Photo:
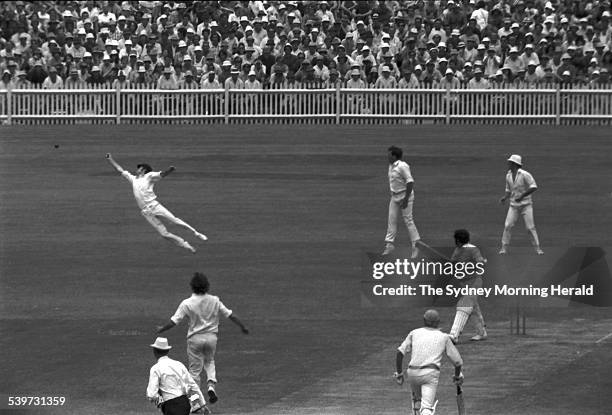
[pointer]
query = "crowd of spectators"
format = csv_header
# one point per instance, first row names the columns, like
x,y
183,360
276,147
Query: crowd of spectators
x,y
262,44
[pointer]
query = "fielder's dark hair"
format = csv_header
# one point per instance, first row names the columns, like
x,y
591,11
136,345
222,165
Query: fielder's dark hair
x,y
396,152
199,283
462,236
147,168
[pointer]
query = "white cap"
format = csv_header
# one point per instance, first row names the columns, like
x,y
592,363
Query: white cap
x,y
386,69
513,49
182,44
516,159
449,71
161,343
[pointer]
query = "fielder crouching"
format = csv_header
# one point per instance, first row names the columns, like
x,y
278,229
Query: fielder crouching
x,y
426,346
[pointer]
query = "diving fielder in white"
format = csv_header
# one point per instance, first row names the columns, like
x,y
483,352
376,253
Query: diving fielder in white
x,y
401,185
426,346
150,208
519,187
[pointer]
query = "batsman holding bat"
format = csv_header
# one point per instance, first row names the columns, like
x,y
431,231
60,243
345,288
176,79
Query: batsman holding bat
x,y
468,304
426,346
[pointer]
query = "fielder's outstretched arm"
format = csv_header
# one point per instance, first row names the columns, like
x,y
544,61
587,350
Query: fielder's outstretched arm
x,y
167,326
167,171
113,163
236,321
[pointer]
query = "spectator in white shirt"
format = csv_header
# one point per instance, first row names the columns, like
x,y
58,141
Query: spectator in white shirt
x,y
210,81
53,81
478,81
481,15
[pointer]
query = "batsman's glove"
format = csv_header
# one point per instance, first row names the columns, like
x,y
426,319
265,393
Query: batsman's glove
x,y
458,380
399,378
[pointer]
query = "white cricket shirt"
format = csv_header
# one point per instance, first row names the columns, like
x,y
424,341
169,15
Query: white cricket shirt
x,y
523,181
203,312
171,379
427,346
399,176
143,187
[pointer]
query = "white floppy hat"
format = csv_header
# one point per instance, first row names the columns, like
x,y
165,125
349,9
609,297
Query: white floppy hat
x,y
161,343
516,159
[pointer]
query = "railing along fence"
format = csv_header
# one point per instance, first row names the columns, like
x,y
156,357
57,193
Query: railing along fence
x,y
308,104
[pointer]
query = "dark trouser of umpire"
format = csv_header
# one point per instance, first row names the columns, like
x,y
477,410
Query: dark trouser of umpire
x,y
176,406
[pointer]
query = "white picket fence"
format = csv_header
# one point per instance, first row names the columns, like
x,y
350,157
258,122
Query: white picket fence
x,y
307,106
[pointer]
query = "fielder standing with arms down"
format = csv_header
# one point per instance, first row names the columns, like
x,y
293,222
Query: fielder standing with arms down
x,y
202,310
401,185
426,345
519,187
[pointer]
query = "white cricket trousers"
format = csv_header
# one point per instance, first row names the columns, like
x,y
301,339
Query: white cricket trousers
x,y
424,385
201,350
394,212
526,211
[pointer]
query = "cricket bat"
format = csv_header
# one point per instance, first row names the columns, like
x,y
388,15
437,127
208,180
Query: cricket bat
x,y
460,403
422,245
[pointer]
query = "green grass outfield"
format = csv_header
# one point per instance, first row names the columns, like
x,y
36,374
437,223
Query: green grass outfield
x,y
289,213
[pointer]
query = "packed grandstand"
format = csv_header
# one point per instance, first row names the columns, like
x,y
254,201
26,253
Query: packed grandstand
x,y
263,44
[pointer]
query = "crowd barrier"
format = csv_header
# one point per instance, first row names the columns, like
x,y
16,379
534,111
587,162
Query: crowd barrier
x,y
553,106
